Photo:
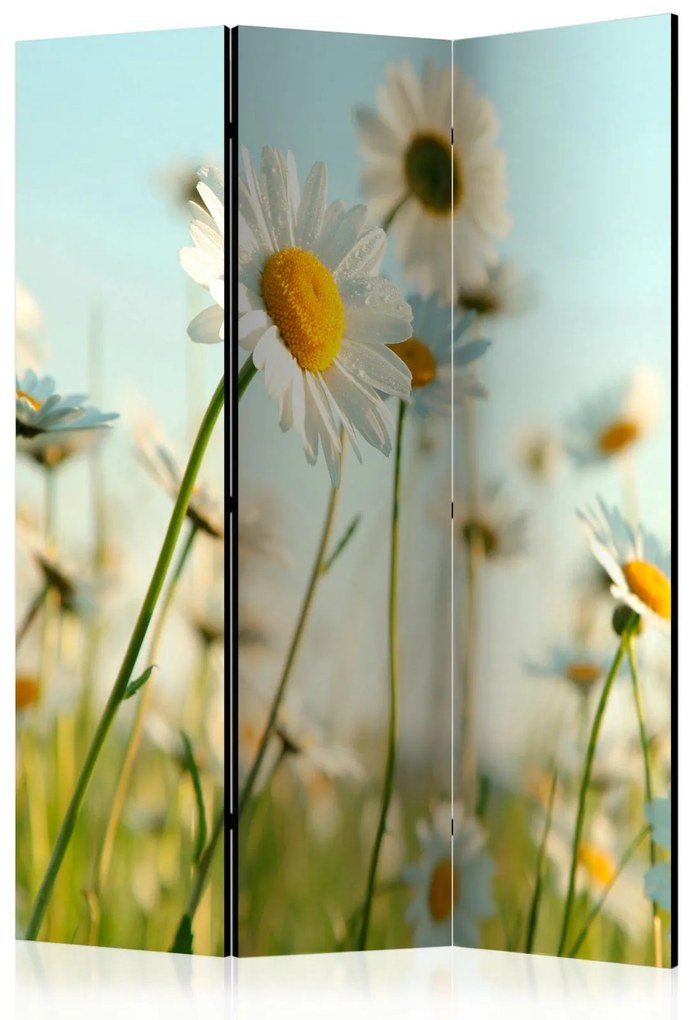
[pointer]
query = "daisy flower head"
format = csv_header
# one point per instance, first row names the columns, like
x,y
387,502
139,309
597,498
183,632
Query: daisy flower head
x,y
436,376
429,191
51,449
313,310
580,666
610,423
539,452
203,510
636,564
39,409
659,878
204,259
451,884
491,523
504,292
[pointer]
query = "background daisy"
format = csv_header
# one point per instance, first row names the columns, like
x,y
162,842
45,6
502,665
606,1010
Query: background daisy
x,y
204,259
39,409
612,422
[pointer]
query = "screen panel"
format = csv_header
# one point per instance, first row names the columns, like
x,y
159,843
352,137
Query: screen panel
x,y
343,793
564,478
121,758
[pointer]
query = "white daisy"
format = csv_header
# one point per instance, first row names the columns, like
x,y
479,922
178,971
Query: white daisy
x,y
203,510
39,409
450,887
634,560
539,452
598,857
490,520
204,260
314,311
504,292
51,449
434,194
574,663
427,354
659,877
610,423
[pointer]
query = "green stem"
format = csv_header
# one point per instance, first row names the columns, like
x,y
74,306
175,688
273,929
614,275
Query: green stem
x,y
248,370
393,650
133,743
388,221
623,861
585,782
645,751
30,616
138,635
202,874
537,891
316,573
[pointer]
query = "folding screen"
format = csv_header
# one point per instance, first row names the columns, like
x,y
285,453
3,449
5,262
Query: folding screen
x,y
121,756
444,636
480,757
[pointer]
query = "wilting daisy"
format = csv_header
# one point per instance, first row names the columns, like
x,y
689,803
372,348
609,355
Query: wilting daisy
x,y
449,887
598,858
430,192
614,420
498,528
203,510
435,377
578,665
634,560
659,877
204,259
39,409
313,310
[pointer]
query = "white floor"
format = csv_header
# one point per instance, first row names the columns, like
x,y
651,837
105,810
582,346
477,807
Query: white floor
x,y
59,982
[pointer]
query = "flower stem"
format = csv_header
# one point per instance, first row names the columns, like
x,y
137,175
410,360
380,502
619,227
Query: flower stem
x,y
539,867
137,637
133,743
393,650
585,781
388,220
623,861
316,573
248,370
30,616
648,782
202,874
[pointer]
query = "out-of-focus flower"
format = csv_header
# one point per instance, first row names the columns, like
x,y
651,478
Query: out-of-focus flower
x,y
440,369
539,452
203,511
490,521
426,189
27,692
451,883
39,409
634,560
577,664
614,420
659,877
28,325
314,311
178,183
204,259
505,292
51,449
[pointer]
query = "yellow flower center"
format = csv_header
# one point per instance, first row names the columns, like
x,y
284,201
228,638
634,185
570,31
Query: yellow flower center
x,y
583,673
27,692
304,302
598,864
419,359
617,436
650,585
433,173
33,403
444,890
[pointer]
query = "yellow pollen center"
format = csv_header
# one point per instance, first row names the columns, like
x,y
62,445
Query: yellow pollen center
x,y
444,890
304,302
27,692
650,585
419,359
33,403
598,864
617,436
583,673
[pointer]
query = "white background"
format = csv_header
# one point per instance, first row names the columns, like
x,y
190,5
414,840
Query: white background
x,y
78,983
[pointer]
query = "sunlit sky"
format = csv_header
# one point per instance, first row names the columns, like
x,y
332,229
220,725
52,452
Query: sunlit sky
x,y
586,128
